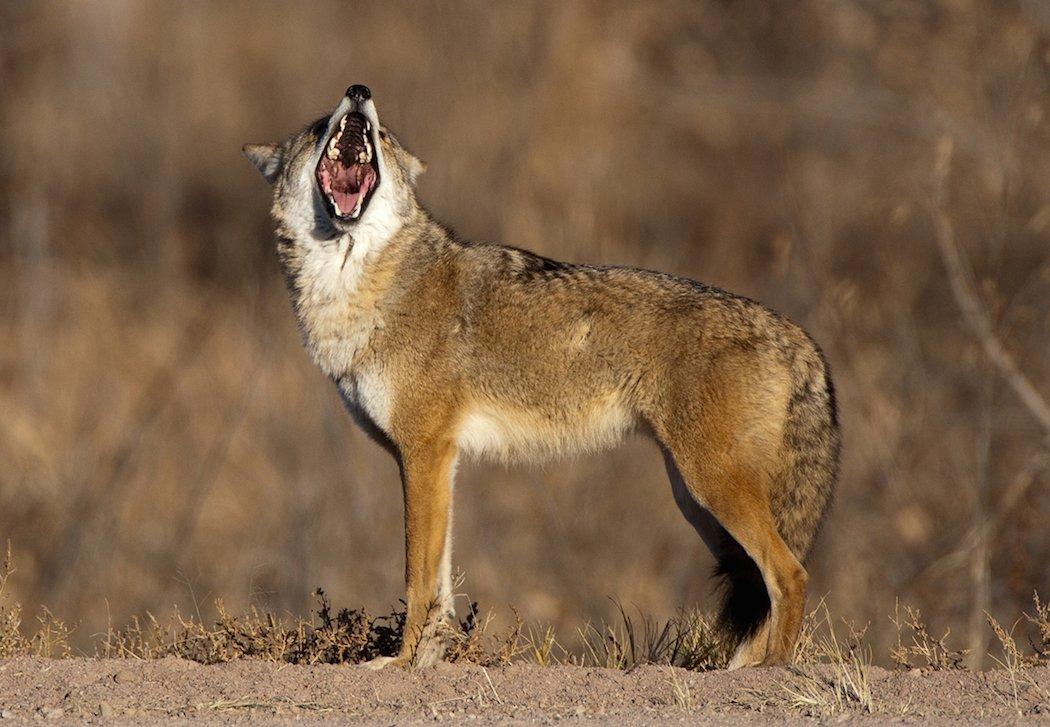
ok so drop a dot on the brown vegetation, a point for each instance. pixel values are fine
(164, 439)
(350, 636)
(832, 672)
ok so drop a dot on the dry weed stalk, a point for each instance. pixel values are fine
(1041, 621)
(10, 615)
(830, 675)
(471, 642)
(51, 637)
(1014, 665)
(935, 652)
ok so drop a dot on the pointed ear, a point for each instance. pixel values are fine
(266, 158)
(414, 167)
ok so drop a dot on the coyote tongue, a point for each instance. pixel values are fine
(346, 186)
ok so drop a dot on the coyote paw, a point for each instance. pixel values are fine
(381, 662)
(743, 661)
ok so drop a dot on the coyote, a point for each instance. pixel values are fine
(442, 347)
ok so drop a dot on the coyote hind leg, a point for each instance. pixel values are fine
(765, 585)
(745, 602)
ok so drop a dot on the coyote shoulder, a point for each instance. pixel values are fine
(443, 348)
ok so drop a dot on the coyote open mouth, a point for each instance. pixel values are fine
(348, 172)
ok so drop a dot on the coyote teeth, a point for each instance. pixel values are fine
(335, 205)
(357, 210)
(342, 123)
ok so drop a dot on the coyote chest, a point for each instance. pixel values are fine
(338, 310)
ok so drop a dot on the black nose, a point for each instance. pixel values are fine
(357, 92)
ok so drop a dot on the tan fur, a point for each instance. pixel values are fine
(442, 347)
(510, 434)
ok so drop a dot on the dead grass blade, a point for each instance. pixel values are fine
(831, 675)
(933, 652)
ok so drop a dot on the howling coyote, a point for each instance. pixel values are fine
(441, 346)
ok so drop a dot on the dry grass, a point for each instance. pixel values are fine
(683, 697)
(346, 636)
(161, 425)
(1014, 661)
(831, 672)
(829, 675)
(687, 640)
(50, 637)
(931, 652)
(1040, 619)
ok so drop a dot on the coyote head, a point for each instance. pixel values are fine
(342, 174)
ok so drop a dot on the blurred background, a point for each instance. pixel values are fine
(164, 438)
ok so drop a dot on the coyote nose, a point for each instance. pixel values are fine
(357, 92)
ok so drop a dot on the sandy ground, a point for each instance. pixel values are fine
(173, 690)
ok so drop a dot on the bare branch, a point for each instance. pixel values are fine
(1028, 475)
(969, 303)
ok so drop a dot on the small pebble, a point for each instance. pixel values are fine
(6, 714)
(104, 710)
(52, 712)
(124, 676)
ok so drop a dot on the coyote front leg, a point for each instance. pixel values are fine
(427, 473)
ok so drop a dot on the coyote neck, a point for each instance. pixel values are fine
(337, 290)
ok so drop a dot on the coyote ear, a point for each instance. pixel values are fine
(414, 167)
(266, 158)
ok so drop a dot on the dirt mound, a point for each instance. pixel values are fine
(167, 689)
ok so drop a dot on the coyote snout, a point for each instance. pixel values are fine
(441, 347)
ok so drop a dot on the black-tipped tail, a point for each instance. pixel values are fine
(745, 601)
